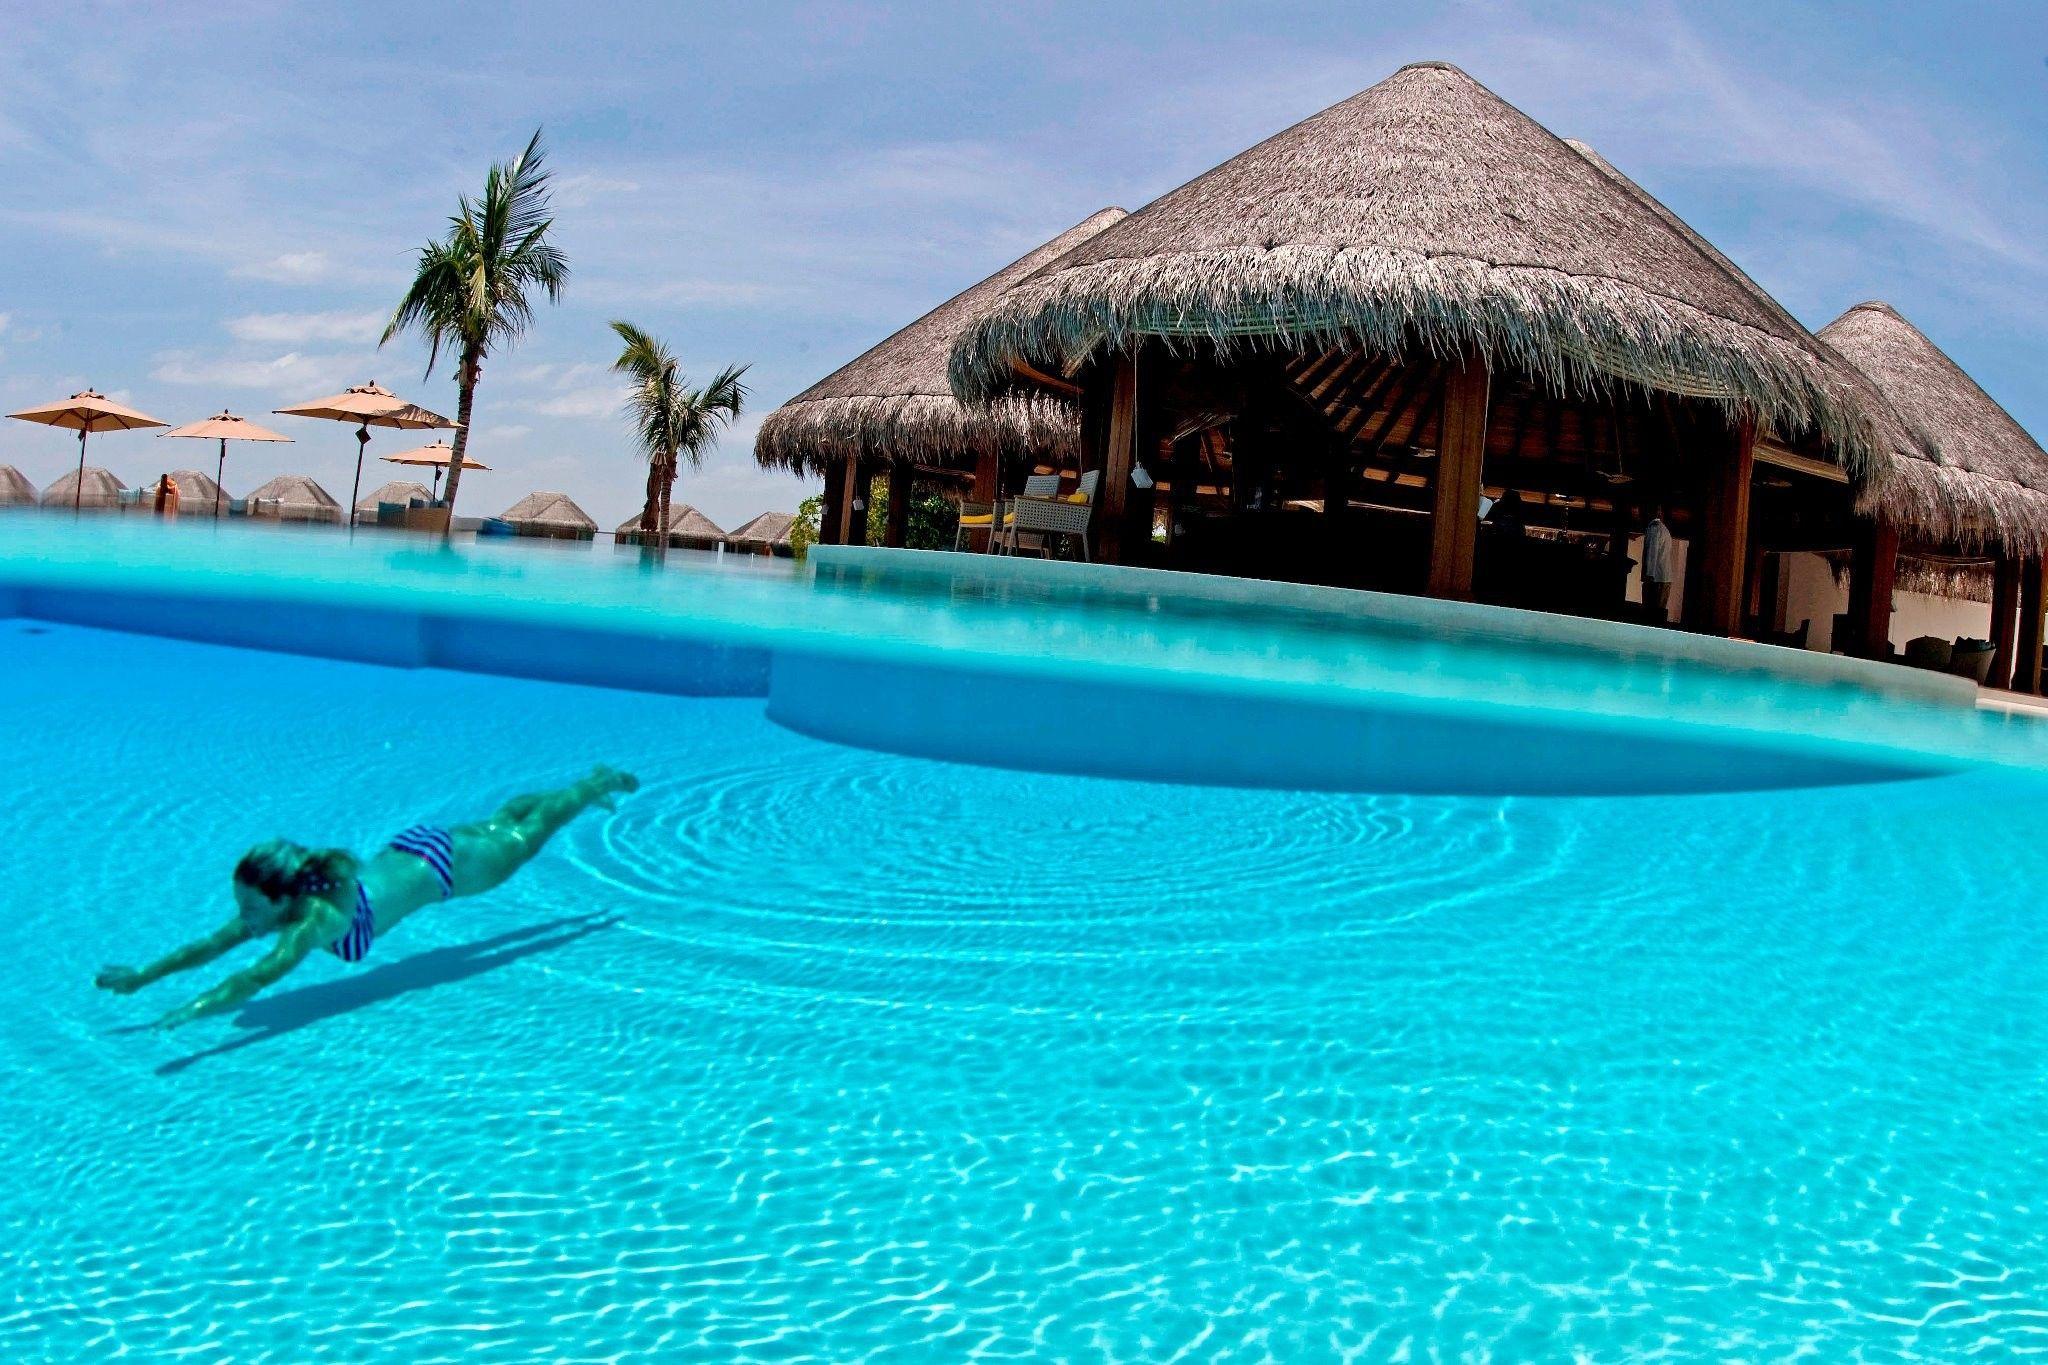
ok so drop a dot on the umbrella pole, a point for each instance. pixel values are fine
(78, 492)
(220, 472)
(356, 491)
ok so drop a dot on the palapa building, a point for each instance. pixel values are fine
(1418, 343)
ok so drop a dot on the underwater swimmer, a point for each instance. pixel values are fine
(328, 898)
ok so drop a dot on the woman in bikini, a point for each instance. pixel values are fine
(328, 898)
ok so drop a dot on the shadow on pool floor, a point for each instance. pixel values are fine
(273, 1016)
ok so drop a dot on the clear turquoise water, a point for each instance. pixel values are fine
(811, 1052)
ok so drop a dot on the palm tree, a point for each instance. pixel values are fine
(472, 289)
(673, 421)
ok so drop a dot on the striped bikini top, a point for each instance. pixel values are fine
(433, 846)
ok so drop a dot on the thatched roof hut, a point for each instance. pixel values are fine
(402, 492)
(102, 490)
(767, 534)
(1980, 480)
(15, 489)
(549, 514)
(1428, 216)
(895, 403)
(195, 491)
(293, 497)
(688, 529)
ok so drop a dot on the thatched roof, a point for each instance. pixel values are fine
(894, 402)
(548, 509)
(195, 487)
(400, 491)
(102, 489)
(15, 489)
(1427, 214)
(684, 523)
(769, 530)
(294, 497)
(1982, 479)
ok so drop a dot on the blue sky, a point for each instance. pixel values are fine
(216, 205)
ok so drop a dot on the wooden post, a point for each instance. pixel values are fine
(1873, 573)
(853, 521)
(829, 527)
(899, 506)
(1120, 447)
(986, 471)
(2005, 610)
(1460, 461)
(2026, 667)
(1724, 551)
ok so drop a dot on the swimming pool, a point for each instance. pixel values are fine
(821, 1051)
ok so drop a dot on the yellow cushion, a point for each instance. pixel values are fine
(1081, 498)
(984, 519)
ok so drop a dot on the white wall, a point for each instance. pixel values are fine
(1811, 593)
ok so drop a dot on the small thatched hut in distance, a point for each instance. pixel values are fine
(892, 407)
(1331, 351)
(1974, 490)
(767, 534)
(399, 493)
(688, 529)
(102, 491)
(293, 497)
(196, 490)
(15, 489)
(550, 515)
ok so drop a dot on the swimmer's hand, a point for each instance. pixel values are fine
(184, 1014)
(120, 980)
(610, 783)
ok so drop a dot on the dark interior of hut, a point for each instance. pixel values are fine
(1320, 468)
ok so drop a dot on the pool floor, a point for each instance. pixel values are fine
(809, 1052)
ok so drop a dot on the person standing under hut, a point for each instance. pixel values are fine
(1657, 568)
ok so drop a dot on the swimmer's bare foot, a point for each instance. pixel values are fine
(607, 783)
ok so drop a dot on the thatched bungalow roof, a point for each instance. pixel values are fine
(765, 534)
(195, 489)
(687, 527)
(1981, 480)
(549, 514)
(293, 497)
(102, 489)
(15, 489)
(400, 491)
(894, 402)
(1427, 214)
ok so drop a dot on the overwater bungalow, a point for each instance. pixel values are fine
(767, 534)
(293, 497)
(549, 515)
(688, 529)
(398, 494)
(892, 409)
(15, 489)
(1327, 358)
(102, 491)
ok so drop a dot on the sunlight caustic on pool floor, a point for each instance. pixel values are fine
(809, 1052)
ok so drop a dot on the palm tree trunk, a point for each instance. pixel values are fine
(472, 370)
(650, 511)
(668, 487)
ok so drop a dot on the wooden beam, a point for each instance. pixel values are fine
(830, 527)
(1725, 552)
(900, 481)
(1040, 377)
(2005, 611)
(986, 468)
(2026, 666)
(1461, 460)
(1873, 573)
(1120, 447)
(853, 520)
(1770, 452)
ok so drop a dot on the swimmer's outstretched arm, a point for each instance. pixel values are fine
(197, 953)
(291, 949)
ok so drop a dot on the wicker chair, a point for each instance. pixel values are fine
(1056, 516)
(1036, 486)
(975, 518)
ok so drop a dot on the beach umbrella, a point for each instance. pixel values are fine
(367, 405)
(223, 428)
(86, 412)
(435, 457)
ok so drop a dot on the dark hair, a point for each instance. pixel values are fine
(281, 870)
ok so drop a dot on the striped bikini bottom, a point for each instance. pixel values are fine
(433, 846)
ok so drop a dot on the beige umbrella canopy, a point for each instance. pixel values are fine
(367, 405)
(15, 489)
(223, 428)
(436, 457)
(85, 412)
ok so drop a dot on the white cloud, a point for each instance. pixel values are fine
(595, 401)
(281, 375)
(298, 328)
(292, 267)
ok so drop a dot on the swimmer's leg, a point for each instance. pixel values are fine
(486, 854)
